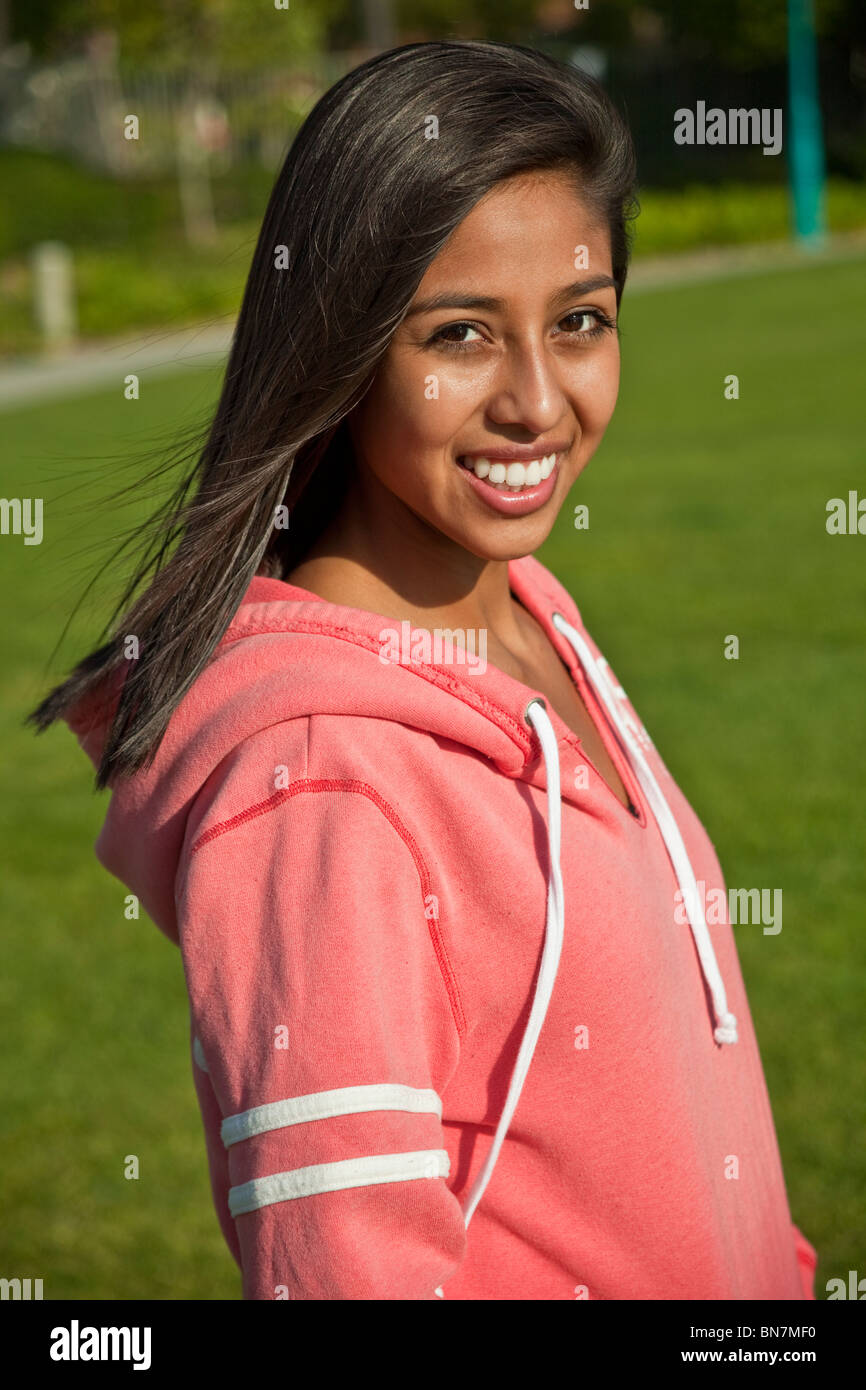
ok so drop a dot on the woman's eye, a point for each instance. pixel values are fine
(588, 323)
(453, 334)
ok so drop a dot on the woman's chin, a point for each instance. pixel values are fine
(508, 540)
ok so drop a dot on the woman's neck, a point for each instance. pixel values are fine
(377, 555)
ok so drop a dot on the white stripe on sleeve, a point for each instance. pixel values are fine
(333, 1177)
(324, 1105)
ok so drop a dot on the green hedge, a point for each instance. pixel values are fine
(734, 214)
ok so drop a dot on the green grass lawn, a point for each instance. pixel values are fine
(707, 518)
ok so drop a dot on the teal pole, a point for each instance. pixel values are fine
(806, 160)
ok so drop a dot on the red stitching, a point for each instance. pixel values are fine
(309, 784)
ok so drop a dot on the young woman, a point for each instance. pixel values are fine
(452, 1034)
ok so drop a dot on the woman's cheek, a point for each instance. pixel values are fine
(440, 402)
(599, 392)
(455, 392)
(419, 395)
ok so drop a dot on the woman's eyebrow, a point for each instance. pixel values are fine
(454, 299)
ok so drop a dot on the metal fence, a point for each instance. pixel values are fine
(132, 123)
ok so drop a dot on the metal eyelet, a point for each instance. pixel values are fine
(536, 700)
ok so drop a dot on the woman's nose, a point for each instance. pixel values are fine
(527, 392)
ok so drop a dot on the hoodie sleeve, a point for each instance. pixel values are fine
(326, 1025)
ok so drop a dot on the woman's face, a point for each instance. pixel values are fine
(506, 364)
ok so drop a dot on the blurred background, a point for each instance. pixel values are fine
(157, 225)
(138, 147)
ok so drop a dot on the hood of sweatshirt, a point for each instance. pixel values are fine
(289, 654)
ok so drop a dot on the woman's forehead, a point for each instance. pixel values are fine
(535, 232)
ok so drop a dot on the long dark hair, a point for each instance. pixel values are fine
(363, 203)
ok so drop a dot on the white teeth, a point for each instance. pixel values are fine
(514, 476)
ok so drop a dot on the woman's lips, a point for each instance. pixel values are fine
(512, 501)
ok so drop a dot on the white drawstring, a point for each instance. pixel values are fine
(726, 1023)
(535, 714)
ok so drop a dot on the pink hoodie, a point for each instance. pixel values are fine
(437, 977)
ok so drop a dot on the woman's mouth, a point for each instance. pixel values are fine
(513, 489)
